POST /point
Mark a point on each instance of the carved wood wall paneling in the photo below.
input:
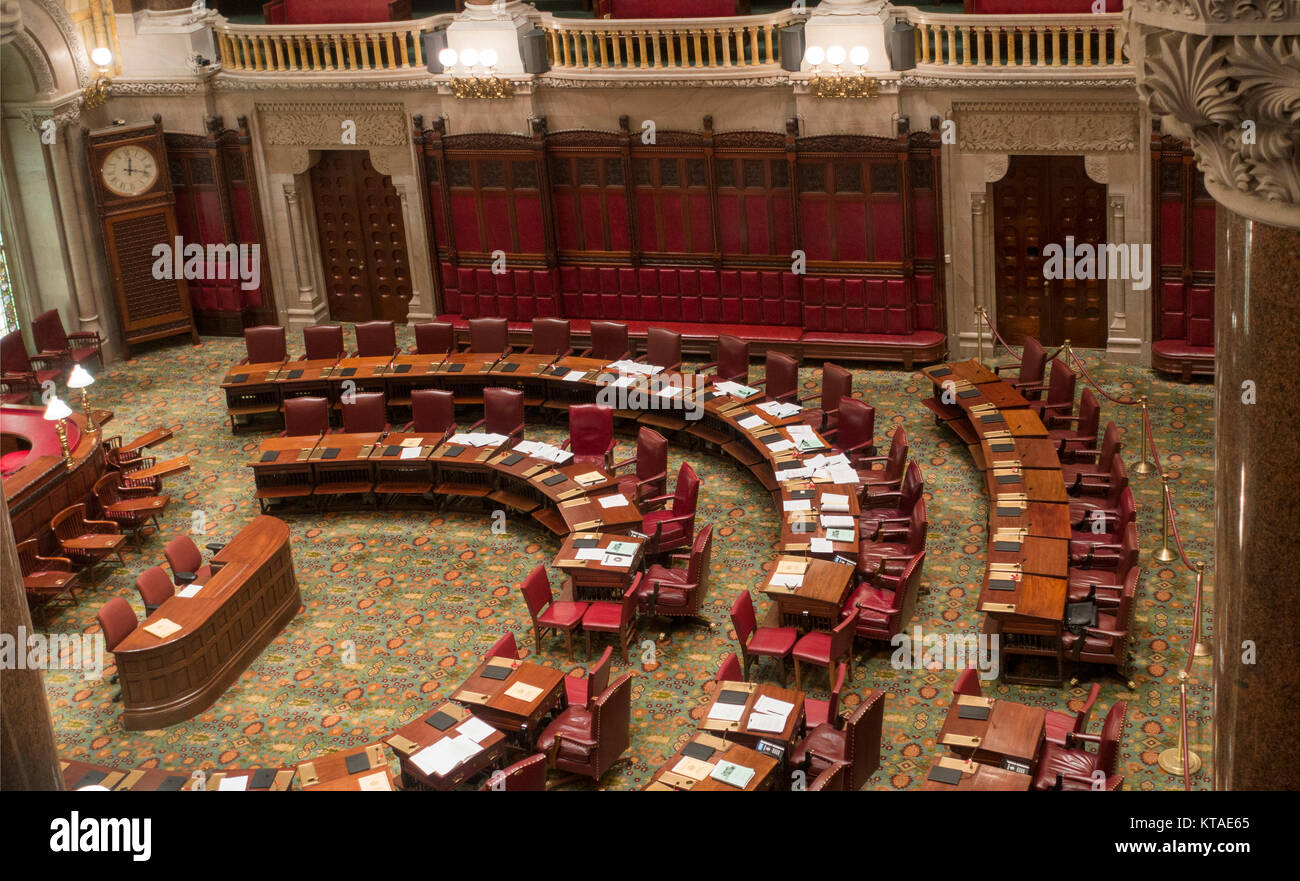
(1183, 237)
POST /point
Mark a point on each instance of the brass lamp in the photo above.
(80, 378)
(56, 411)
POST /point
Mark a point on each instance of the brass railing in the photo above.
(391, 46)
(1018, 41)
(657, 44)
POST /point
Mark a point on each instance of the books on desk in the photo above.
(732, 774)
(163, 628)
(444, 756)
(837, 521)
(479, 439)
(751, 423)
(735, 389)
(834, 503)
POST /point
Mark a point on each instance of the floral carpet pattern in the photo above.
(398, 607)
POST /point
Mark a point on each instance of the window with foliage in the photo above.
(8, 311)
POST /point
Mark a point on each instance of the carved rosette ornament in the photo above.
(1225, 75)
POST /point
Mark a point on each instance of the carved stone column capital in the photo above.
(1225, 76)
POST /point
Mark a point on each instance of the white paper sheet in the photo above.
(726, 712)
(233, 784)
(475, 729)
(617, 500)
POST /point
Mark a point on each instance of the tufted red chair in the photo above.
(434, 338)
(505, 647)
(503, 413)
(1093, 462)
(1060, 394)
(1032, 363)
(1107, 644)
(729, 670)
(578, 690)
(307, 416)
(323, 342)
(590, 740)
(759, 642)
(892, 540)
(781, 378)
(883, 609)
(44, 578)
(18, 367)
(819, 712)
(489, 335)
(832, 779)
(618, 618)
(679, 592)
(1077, 443)
(546, 613)
(968, 683)
(1072, 767)
(673, 528)
(905, 498)
(732, 364)
(117, 621)
(377, 339)
(608, 341)
(856, 743)
(890, 476)
(433, 411)
(265, 344)
(837, 384)
(121, 504)
(1058, 726)
(525, 775)
(855, 434)
(1097, 492)
(102, 538)
(823, 648)
(591, 435)
(155, 588)
(186, 561)
(551, 336)
(651, 461)
(77, 348)
(663, 348)
(367, 412)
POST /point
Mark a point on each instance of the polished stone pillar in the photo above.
(1257, 506)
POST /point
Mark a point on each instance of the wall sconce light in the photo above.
(838, 83)
(80, 378)
(56, 411)
(465, 83)
(96, 93)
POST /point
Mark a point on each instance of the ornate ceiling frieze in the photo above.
(321, 125)
(1046, 127)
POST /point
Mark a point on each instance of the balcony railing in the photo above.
(389, 46)
(1038, 42)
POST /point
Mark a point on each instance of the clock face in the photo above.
(129, 170)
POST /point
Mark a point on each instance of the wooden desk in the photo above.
(976, 777)
(593, 580)
(360, 769)
(740, 730)
(971, 371)
(665, 778)
(1045, 519)
(587, 513)
(240, 609)
(1036, 556)
(487, 698)
(415, 736)
(1038, 486)
(799, 528)
(1011, 731)
(816, 603)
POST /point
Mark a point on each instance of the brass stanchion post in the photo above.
(1165, 554)
(1144, 465)
(1176, 758)
(1202, 647)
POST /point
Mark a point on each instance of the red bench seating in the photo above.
(821, 317)
(335, 11)
(1186, 330)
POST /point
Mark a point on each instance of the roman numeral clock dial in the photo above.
(129, 170)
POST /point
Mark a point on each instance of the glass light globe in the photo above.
(488, 57)
(80, 378)
(859, 55)
(102, 57)
(815, 55)
(469, 57)
(836, 55)
(56, 410)
(448, 57)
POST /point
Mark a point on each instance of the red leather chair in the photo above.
(489, 335)
(377, 339)
(857, 743)
(1106, 527)
(1101, 569)
(832, 779)
(1074, 768)
(122, 504)
(44, 578)
(905, 498)
(679, 592)
(307, 416)
(882, 609)
(434, 338)
(651, 461)
(1079, 442)
(504, 647)
(837, 385)
(818, 712)
(503, 413)
(84, 541)
(579, 690)
(433, 411)
(673, 528)
(265, 344)
(155, 588)
(1107, 644)
(1059, 726)
(525, 775)
(589, 741)
(1060, 394)
(1032, 363)
(824, 648)
(892, 540)
(731, 363)
(366, 412)
(323, 342)
(19, 369)
(186, 561)
(968, 683)
(616, 618)
(759, 642)
(890, 476)
(663, 348)
(117, 621)
(1093, 462)
(591, 435)
(73, 348)
(547, 614)
(551, 336)
(608, 341)
(1099, 493)
(855, 434)
(729, 670)
(781, 378)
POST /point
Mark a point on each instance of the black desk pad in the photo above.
(940, 774)
(979, 714)
(494, 672)
(440, 720)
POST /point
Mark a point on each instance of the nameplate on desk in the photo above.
(303, 454)
(590, 524)
(797, 546)
(999, 608)
(570, 494)
(964, 740)
(307, 774)
(536, 470)
(130, 780)
(571, 564)
(316, 454)
(485, 455)
(472, 697)
(573, 503)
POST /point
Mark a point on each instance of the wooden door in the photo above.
(1041, 201)
(362, 238)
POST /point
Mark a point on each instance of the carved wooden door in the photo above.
(1041, 201)
(362, 238)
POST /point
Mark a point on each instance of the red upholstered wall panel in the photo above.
(464, 216)
(568, 233)
(851, 232)
(1171, 233)
(497, 222)
(1204, 239)
(887, 231)
(532, 230)
(924, 228)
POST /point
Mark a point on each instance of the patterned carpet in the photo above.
(415, 598)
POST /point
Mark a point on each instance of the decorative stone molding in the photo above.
(1097, 168)
(225, 81)
(321, 125)
(68, 30)
(1223, 76)
(37, 63)
(67, 115)
(910, 81)
(1034, 127)
(123, 88)
(995, 168)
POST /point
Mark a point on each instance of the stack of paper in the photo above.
(622, 548)
(797, 505)
(787, 579)
(751, 423)
(545, 452)
(726, 712)
(574, 375)
(441, 758)
(188, 591)
(779, 410)
(479, 439)
(411, 452)
(837, 521)
(834, 503)
(821, 546)
(735, 389)
(769, 714)
(617, 500)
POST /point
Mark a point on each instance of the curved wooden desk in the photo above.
(41, 485)
(251, 596)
